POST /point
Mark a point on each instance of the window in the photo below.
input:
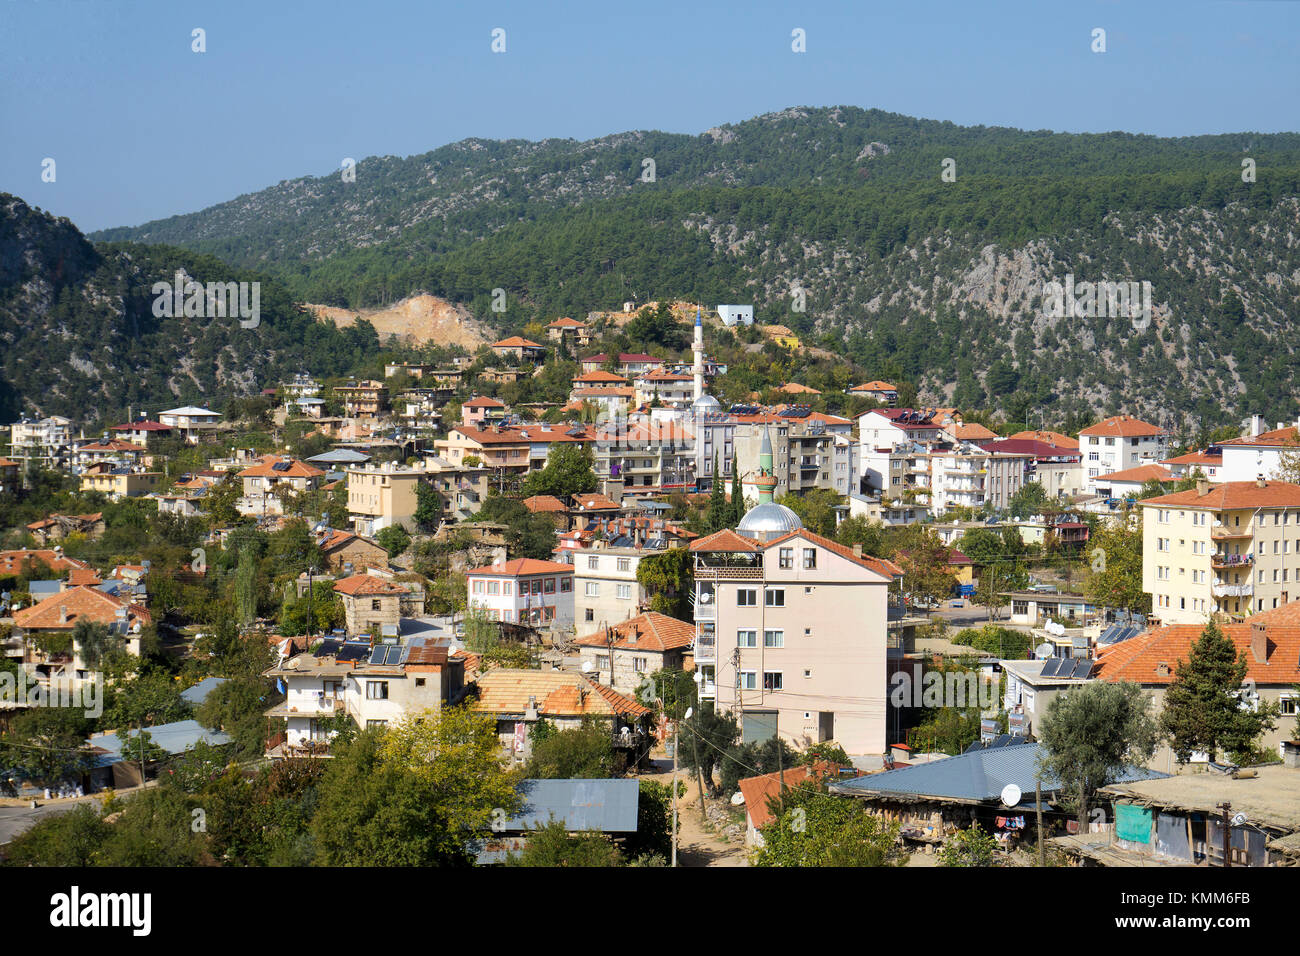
(774, 597)
(376, 690)
(746, 597)
(809, 559)
(593, 563)
(566, 585)
(478, 587)
(773, 680)
(774, 638)
(376, 723)
(493, 587)
(625, 592)
(747, 680)
(508, 588)
(593, 589)
(602, 662)
(1288, 705)
(625, 564)
(786, 559)
(537, 586)
(590, 614)
(550, 586)
(638, 664)
(747, 638)
(374, 604)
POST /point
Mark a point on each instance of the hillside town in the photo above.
(671, 614)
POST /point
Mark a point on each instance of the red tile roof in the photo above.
(876, 386)
(881, 566)
(1278, 437)
(483, 402)
(546, 503)
(1142, 473)
(1233, 494)
(366, 584)
(1138, 658)
(600, 375)
(267, 469)
(1123, 426)
(11, 562)
(1195, 458)
(1050, 437)
(653, 631)
(80, 603)
(521, 567)
(726, 540)
(515, 342)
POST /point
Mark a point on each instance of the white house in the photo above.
(191, 422)
(524, 591)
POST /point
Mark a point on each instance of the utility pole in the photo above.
(674, 793)
(1038, 808)
(1227, 834)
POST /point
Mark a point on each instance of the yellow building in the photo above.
(1230, 549)
(782, 336)
(380, 496)
(120, 483)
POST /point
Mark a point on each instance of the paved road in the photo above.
(16, 820)
(972, 615)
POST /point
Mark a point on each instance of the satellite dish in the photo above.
(737, 798)
(1044, 651)
(1238, 819)
(586, 667)
(1010, 795)
(698, 678)
(689, 711)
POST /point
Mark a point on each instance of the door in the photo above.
(826, 726)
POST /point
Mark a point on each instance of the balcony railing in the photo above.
(1219, 532)
(1232, 560)
(1232, 590)
(706, 649)
(728, 573)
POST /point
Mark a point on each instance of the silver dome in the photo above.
(706, 401)
(768, 520)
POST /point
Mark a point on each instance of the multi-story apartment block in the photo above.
(381, 495)
(810, 450)
(524, 591)
(968, 476)
(1118, 444)
(667, 388)
(519, 349)
(269, 480)
(1231, 549)
(605, 588)
(374, 685)
(366, 399)
(190, 422)
(1260, 454)
(1058, 468)
(646, 455)
(628, 364)
(44, 443)
(792, 630)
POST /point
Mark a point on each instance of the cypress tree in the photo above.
(737, 496)
(718, 513)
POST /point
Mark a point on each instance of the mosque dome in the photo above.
(768, 520)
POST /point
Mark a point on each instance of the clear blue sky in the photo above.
(141, 127)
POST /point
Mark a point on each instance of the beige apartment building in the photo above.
(792, 632)
(1230, 549)
(383, 495)
(605, 588)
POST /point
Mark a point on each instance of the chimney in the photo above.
(531, 713)
(1256, 425)
(1259, 643)
(63, 614)
(857, 550)
(1162, 669)
(1260, 482)
(1202, 486)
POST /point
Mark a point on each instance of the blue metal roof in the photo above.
(606, 805)
(200, 691)
(978, 775)
(175, 738)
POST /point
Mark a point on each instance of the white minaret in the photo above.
(698, 348)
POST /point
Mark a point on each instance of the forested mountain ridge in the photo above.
(78, 334)
(941, 279)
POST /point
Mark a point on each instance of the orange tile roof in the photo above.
(972, 432)
(1141, 473)
(757, 790)
(1232, 495)
(506, 690)
(11, 562)
(1195, 458)
(1137, 659)
(515, 342)
(876, 386)
(567, 323)
(794, 388)
(113, 444)
(1123, 426)
(81, 603)
(522, 567)
(661, 375)
(881, 566)
(1278, 437)
(543, 503)
(360, 584)
(595, 502)
(726, 540)
(600, 375)
(1050, 437)
(609, 391)
(483, 402)
(653, 632)
(83, 577)
(267, 469)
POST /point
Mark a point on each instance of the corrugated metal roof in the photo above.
(977, 776)
(175, 738)
(200, 691)
(609, 806)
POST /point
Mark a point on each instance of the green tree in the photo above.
(64, 839)
(813, 828)
(737, 494)
(553, 845)
(1091, 734)
(669, 579)
(393, 539)
(815, 508)
(584, 752)
(1114, 578)
(46, 745)
(1029, 501)
(969, 847)
(1202, 709)
(569, 470)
